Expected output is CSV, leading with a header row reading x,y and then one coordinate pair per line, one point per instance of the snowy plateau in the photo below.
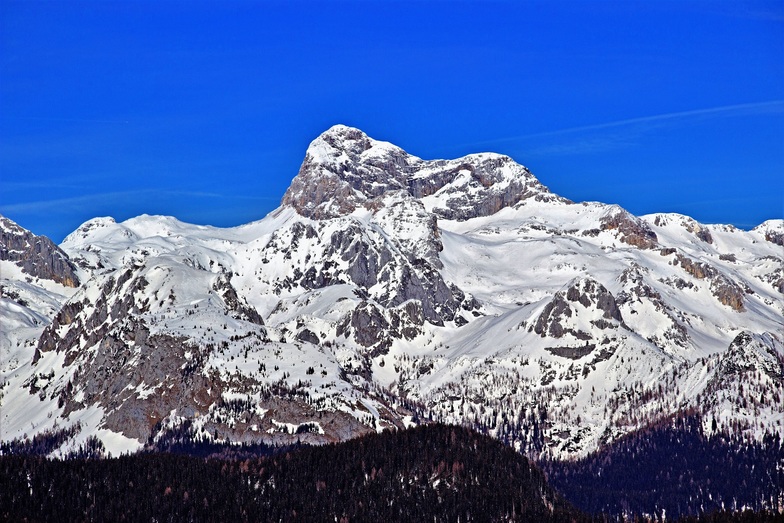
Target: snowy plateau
x,y
387,291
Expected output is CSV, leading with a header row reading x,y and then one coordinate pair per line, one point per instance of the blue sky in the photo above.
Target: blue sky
x,y
203,110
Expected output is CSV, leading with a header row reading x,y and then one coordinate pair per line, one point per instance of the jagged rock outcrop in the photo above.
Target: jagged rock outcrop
x,y
87,322
377,329
722,287
750,352
580,317
728,292
699,270
235,306
630,229
775,237
772,231
35,255
588,293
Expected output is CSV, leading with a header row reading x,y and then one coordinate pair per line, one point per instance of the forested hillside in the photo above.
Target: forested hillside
x,y
430,473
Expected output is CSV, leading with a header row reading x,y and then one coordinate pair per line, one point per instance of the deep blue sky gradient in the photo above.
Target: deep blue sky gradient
x,y
203,110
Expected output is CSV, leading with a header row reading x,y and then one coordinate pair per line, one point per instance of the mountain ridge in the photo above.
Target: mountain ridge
x,y
387,289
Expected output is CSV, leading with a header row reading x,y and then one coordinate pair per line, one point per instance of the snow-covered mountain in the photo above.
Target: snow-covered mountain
x,y
385,290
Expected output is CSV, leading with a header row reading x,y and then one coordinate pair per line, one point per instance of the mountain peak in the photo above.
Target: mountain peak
x,y
344,169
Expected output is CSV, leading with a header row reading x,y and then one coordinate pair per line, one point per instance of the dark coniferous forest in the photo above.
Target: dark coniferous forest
x,y
430,473
675,469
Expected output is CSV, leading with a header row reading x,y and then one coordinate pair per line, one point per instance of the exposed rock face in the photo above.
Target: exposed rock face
x,y
631,230
235,306
699,270
88,322
727,292
391,269
36,255
345,170
337,176
722,287
703,234
140,384
588,293
125,379
376,329
570,313
775,237
369,326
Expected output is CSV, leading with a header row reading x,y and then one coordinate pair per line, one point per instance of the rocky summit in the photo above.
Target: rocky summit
x,y
387,291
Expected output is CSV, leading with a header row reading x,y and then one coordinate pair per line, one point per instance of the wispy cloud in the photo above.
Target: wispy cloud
x,y
108,198
639,124
65,203
727,110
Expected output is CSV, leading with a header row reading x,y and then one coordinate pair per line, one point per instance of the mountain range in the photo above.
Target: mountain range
x,y
384,292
